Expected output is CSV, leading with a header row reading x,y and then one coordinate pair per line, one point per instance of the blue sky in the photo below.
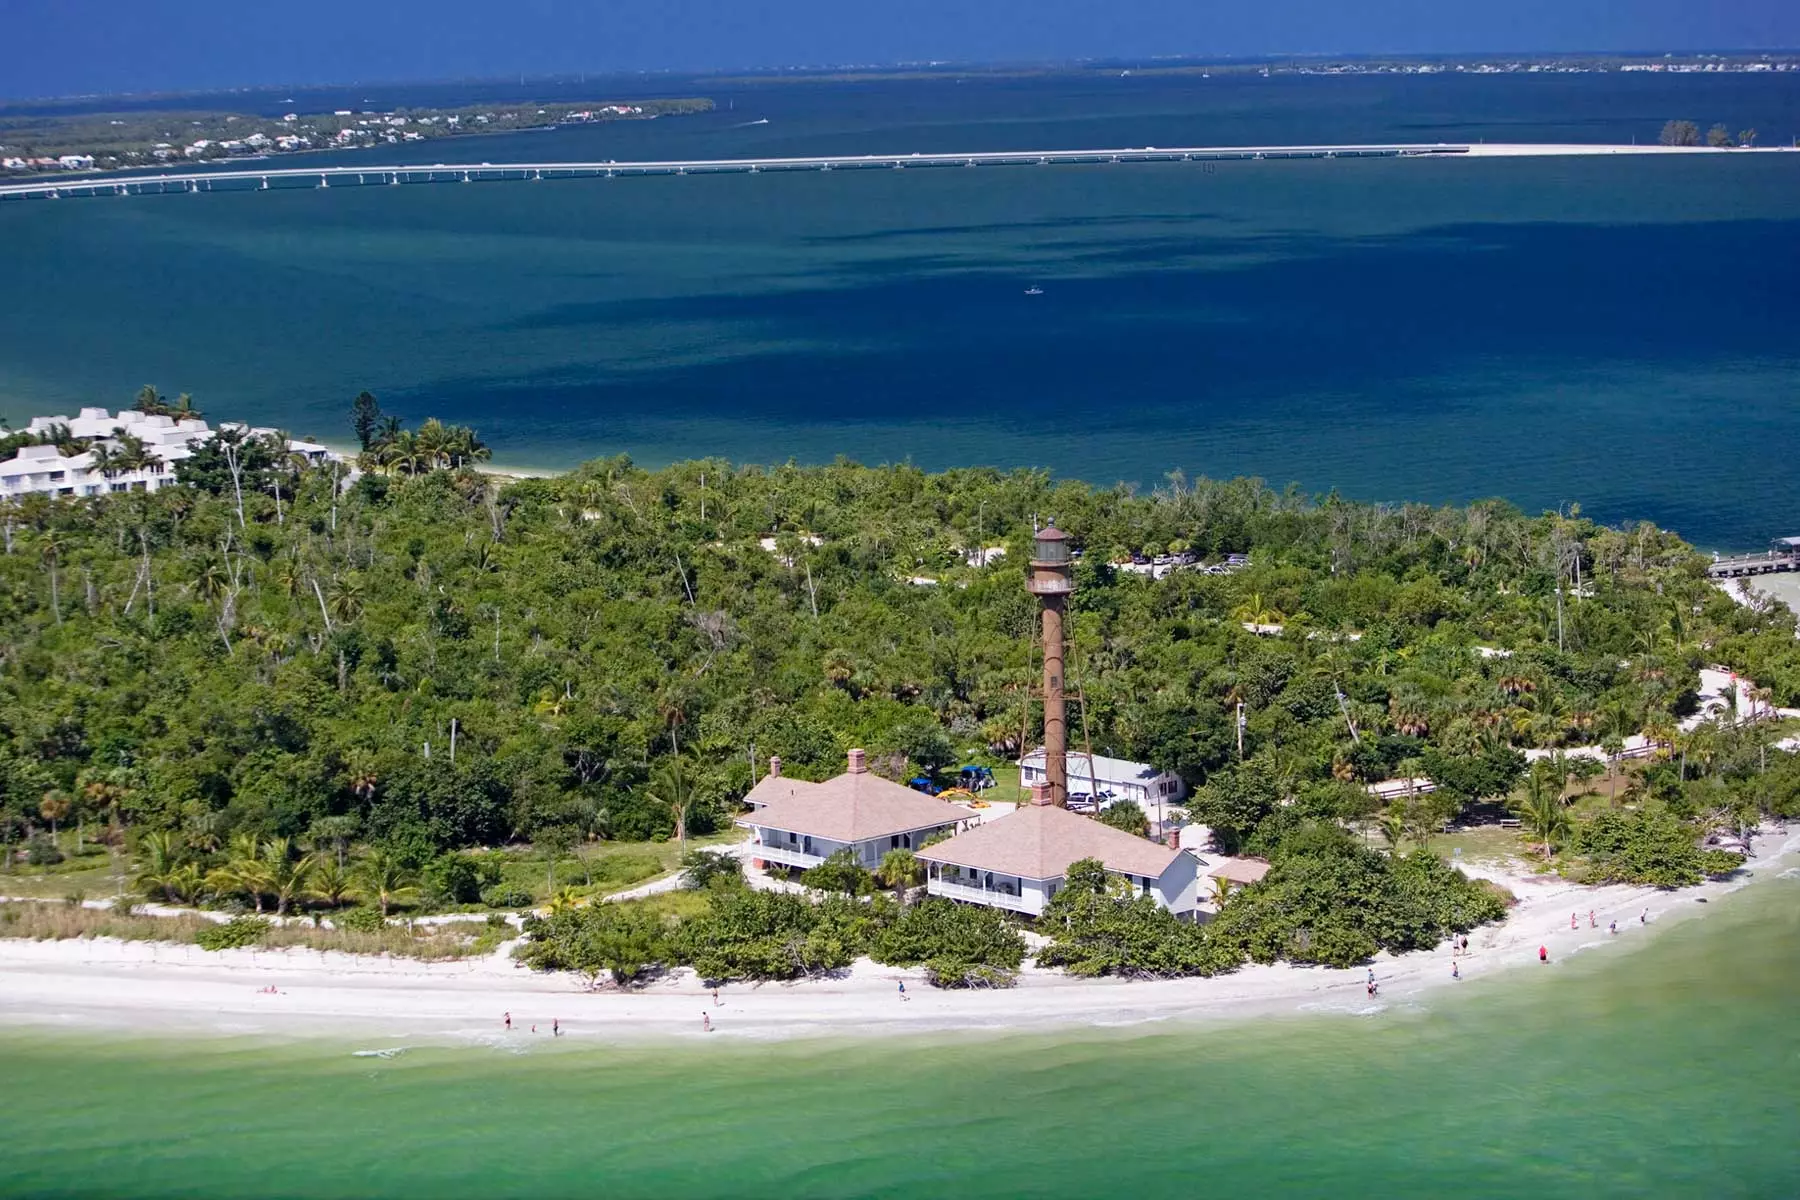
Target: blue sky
x,y
60,47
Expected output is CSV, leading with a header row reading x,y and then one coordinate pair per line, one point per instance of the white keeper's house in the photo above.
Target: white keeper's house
x,y
1019,862
1094,774
798,823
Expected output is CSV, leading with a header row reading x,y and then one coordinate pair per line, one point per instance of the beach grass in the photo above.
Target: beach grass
x,y
48,921
428,943
41,921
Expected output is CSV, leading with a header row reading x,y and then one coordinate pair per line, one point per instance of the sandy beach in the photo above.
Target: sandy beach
x,y
138,987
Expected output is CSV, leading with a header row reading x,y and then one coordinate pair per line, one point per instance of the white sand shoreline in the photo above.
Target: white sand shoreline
x,y
106,986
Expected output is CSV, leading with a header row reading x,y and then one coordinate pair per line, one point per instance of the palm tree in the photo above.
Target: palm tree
x,y
346,600
1541,809
1392,824
150,401
669,788
244,873
434,442
383,879
330,884
287,875
463,447
161,873
55,806
901,869
1256,611
1614,746
338,830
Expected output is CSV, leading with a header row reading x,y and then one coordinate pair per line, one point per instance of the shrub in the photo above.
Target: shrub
x,y
360,920
1098,929
42,852
1646,846
705,868
453,879
1299,911
233,934
775,935
1126,815
960,945
506,896
618,939
841,873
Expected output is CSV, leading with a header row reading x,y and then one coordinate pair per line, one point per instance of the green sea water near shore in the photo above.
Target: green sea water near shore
x,y
1652,1067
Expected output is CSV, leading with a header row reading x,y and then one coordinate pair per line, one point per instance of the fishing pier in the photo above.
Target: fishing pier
x,y
1782,555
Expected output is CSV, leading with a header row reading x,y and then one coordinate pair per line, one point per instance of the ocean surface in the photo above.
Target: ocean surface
x,y
1618,332
1662,1067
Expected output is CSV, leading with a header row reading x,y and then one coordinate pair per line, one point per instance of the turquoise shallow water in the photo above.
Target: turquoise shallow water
x,y
1667,1070
1612,331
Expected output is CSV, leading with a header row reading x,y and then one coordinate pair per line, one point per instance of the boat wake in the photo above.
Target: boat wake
x,y
748,124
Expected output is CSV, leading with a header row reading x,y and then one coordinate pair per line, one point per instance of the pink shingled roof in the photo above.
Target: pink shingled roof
x,y
1040,841
852,807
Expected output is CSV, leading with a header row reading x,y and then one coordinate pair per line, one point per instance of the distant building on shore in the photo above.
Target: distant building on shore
x,y
45,470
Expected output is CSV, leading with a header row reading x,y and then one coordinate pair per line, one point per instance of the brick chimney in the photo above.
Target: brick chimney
x,y
774,766
1040,794
859,763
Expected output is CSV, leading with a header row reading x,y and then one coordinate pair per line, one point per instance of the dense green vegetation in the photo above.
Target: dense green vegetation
x,y
267,690
729,932
127,139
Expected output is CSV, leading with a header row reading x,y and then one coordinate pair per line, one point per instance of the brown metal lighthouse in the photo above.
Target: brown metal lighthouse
x,y
1051,580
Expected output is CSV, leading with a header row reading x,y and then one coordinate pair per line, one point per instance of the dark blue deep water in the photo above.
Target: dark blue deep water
x,y
1615,331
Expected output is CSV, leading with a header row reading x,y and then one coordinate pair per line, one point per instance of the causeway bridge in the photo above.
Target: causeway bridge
x,y
270,178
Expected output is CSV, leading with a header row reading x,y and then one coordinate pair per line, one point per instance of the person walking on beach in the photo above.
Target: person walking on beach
x,y
1543,954
1613,929
1592,923
555,1026
1644,917
1455,969
1574,922
508,1018
1371,976
903,989
705,1022
715,997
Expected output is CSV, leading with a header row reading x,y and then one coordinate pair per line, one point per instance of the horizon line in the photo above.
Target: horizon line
x,y
921,68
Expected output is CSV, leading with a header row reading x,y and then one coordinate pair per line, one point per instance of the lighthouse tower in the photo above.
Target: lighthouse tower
x,y
1051,579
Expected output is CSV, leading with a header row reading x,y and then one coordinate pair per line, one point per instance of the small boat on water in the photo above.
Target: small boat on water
x,y
1034,291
